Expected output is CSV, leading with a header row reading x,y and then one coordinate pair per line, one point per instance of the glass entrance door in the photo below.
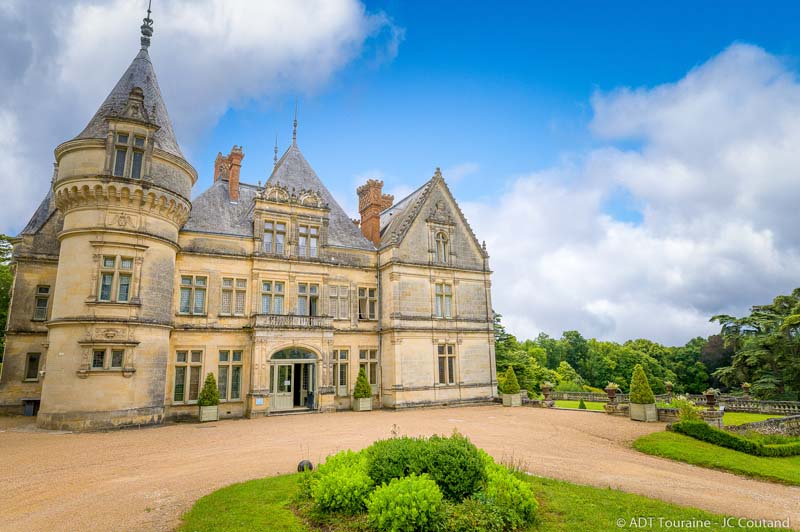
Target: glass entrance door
x,y
283,398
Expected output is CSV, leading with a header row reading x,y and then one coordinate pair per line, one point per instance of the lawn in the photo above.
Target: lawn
x,y
740,418
686,449
564,507
574,404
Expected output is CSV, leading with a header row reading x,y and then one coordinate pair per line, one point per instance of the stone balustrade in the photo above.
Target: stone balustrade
x,y
289,321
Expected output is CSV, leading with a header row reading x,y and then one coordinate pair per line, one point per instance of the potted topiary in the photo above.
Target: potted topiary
x,y
511,396
642,400
362,394
209,400
611,390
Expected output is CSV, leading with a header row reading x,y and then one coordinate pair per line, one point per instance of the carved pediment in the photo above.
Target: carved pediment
x,y
309,198
134,107
440,213
280,194
276,193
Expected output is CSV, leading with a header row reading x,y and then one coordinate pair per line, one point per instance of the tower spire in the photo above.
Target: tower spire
x,y
294,130
275,157
147,27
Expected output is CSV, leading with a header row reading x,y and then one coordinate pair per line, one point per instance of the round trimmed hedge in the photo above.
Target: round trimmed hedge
x,y
436,483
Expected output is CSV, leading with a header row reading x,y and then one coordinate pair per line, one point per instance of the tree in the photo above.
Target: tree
x,y
575,346
6,280
714,355
641,393
510,384
766,346
209,395
362,389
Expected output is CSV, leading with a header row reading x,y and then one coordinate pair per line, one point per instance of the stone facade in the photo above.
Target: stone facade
x,y
127,293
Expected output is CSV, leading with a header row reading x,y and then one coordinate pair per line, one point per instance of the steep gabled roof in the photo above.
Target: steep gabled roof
x,y
140,74
294,172
43,213
213,211
397,219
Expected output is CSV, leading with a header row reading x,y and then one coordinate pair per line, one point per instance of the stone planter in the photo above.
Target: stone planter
x,y
711,400
209,413
643,412
362,405
512,399
546,392
746,390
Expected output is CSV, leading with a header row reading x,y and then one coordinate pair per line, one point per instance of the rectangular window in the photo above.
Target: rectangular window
x,y
42,302
339,306
188,368
368,359
444,300
340,371
193,294
124,147
307,299
367,303
229,375
234,293
98,359
32,367
271,297
116,277
447,364
136,164
117,358
308,241
119,161
274,237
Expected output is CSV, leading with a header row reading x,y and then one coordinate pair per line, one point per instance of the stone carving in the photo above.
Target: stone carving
x,y
278,193
134,107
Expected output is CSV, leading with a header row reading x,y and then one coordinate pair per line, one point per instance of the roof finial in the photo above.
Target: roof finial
x,y
275,157
294,130
147,28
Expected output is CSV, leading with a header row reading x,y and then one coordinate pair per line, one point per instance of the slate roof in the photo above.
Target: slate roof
x,y
392,218
43,212
213,212
140,74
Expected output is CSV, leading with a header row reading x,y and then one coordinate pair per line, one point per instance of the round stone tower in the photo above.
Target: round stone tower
x,y
123,187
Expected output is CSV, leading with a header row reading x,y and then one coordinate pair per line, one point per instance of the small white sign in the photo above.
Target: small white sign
x,y
287,383
259,401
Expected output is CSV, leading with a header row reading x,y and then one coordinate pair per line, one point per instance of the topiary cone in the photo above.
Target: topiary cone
x,y
209,395
362,390
511,385
641,393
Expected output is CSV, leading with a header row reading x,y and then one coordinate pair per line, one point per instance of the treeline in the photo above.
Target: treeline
x,y
762,349
5,288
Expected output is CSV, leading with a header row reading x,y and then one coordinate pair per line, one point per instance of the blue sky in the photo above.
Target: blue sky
x,y
506,88
632,166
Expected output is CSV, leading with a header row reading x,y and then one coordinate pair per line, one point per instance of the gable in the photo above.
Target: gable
x,y
436,211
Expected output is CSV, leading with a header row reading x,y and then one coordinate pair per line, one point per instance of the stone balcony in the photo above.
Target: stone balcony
x,y
289,321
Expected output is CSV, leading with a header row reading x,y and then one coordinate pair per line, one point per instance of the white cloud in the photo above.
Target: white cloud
x,y
715,171
456,173
60,60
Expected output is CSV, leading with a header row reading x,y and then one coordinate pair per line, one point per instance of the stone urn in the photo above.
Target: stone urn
x,y
711,398
746,389
611,391
546,389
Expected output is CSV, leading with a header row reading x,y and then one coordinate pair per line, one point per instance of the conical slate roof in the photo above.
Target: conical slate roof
x,y
294,172
140,74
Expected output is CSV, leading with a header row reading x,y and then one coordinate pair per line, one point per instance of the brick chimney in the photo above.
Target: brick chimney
x,y
227,168
371,201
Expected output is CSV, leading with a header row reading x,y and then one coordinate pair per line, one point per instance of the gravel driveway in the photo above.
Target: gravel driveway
x,y
145,479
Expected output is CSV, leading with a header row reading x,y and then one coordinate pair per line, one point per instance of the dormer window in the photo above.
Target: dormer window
x,y
128,155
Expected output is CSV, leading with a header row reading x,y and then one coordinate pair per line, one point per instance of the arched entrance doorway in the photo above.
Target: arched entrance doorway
x,y
292,377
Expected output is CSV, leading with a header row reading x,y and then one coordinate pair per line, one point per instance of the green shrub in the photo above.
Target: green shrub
x,y
510,384
587,388
406,505
705,432
641,393
362,390
472,515
340,460
395,458
510,497
582,405
569,386
455,465
209,395
687,410
343,490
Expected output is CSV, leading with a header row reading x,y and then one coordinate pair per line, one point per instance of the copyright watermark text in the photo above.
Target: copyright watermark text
x,y
649,522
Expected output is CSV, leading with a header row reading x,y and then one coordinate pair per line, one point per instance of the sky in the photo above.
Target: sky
x,y
632,166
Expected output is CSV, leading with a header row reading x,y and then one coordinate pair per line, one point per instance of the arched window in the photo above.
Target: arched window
x,y
441,247
294,353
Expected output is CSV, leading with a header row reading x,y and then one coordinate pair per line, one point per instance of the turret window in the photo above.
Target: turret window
x,y
128,156
115,279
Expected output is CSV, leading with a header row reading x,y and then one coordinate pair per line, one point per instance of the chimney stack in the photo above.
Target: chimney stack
x,y
227,168
371,201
